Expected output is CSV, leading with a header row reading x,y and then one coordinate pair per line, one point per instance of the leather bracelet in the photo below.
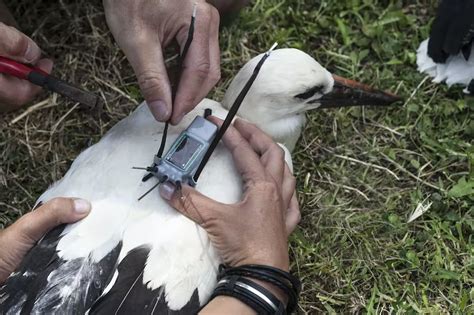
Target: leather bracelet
x,y
292,297
257,274
294,281
281,279
250,293
282,276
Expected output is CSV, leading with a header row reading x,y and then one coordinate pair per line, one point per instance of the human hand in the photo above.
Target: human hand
x,y
21,236
255,230
143,29
15,45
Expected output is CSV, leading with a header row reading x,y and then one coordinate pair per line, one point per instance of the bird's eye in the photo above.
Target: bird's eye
x,y
310,92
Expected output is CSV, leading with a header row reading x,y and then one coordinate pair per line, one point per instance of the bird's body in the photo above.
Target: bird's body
x,y
143,257
447,55
174,253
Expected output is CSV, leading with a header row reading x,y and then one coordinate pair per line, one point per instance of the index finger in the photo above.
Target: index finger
x,y
271,154
246,160
196,66
260,141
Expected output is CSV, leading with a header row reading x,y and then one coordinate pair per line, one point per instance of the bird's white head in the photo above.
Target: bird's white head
x,y
290,83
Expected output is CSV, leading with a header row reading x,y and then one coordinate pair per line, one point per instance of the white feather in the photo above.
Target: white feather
x,y
456,70
420,209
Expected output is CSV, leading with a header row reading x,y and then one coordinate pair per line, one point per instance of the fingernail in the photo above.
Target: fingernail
x,y
30,54
159,110
82,206
167,191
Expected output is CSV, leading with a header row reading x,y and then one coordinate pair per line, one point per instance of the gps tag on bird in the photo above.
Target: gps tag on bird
x,y
189,154
179,164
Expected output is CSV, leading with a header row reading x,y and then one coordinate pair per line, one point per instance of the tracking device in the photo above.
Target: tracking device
x,y
189,154
183,158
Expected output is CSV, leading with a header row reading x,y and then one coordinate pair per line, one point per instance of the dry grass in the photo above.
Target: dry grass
x,y
39,147
361,171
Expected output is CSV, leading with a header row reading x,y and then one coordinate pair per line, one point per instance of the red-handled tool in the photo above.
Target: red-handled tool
x,y
43,79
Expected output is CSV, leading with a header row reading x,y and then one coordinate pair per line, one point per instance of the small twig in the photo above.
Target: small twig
x,y
387,128
401,168
23,188
367,164
412,95
345,187
116,89
168,60
307,146
3,179
10,206
65,8
27,139
63,117
29,110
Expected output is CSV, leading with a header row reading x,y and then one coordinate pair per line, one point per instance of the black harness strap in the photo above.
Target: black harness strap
x,y
175,88
232,112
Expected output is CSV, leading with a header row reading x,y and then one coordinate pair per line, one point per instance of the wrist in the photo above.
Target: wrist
x,y
281,261
226,305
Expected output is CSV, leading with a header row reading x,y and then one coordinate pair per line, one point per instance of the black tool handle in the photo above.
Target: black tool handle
x,y
56,85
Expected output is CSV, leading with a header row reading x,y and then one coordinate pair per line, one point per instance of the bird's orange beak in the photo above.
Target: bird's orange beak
x,y
347,92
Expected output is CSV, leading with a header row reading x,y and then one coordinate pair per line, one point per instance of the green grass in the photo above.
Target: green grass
x,y
361,171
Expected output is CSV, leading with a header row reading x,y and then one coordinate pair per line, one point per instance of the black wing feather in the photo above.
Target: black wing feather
x,y
460,31
22,284
129,295
452,30
25,289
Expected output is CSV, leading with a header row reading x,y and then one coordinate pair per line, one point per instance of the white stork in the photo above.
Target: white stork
x,y
131,257
447,55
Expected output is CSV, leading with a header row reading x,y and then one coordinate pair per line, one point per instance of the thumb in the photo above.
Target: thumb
x,y
191,203
149,66
18,46
51,214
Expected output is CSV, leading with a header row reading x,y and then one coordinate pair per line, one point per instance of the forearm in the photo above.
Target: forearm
x,y
5,15
226,305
